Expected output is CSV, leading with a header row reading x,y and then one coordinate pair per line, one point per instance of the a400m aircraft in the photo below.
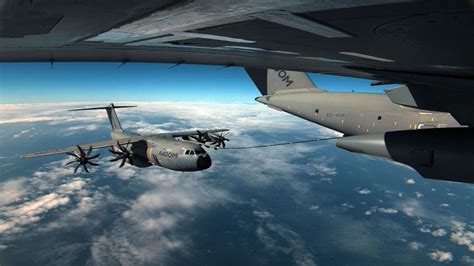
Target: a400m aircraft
x,y
431,142
179,151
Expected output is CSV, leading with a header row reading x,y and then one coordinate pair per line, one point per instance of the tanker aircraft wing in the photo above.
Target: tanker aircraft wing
x,y
426,45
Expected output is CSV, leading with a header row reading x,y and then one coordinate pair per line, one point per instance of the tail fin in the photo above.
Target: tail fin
x,y
269,81
113,118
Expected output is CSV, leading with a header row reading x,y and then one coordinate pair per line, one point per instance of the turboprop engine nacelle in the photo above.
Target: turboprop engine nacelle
x,y
442,153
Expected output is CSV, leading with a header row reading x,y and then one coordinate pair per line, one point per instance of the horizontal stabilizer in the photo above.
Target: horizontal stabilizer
x,y
113,118
102,108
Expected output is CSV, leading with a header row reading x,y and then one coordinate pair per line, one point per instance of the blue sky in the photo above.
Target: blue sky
x,y
38,82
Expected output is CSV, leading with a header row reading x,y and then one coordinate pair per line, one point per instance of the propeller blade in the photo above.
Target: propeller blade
x,y
85,168
115,152
81,151
120,146
72,154
123,154
94,156
123,162
94,164
89,151
77,166
198,139
116,159
71,162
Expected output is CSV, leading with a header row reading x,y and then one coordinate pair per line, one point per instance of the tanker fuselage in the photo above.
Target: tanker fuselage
x,y
356,113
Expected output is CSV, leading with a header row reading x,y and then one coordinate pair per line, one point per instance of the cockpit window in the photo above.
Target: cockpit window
x,y
191,152
198,152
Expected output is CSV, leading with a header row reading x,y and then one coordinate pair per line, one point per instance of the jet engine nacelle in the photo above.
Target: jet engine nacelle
x,y
441,153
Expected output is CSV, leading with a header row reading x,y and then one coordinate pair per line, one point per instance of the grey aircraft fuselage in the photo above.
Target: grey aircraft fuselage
x,y
166,151
355,113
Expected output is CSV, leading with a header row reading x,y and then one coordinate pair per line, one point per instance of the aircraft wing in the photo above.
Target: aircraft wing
x,y
191,133
426,45
95,145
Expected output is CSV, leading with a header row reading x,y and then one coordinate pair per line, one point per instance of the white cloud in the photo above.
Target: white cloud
x,y
125,173
412,207
364,191
439,232
48,189
461,235
21,133
387,210
347,205
11,190
418,195
324,169
467,260
415,245
31,211
262,214
425,230
72,186
81,128
441,256
149,230
292,242
410,181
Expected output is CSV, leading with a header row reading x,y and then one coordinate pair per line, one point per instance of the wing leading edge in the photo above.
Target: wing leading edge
x,y
190,133
94,145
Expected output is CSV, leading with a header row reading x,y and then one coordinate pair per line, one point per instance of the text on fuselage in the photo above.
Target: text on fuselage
x,y
283,75
329,115
168,154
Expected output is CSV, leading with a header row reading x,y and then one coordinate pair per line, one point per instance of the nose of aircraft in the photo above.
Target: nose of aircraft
x,y
204,162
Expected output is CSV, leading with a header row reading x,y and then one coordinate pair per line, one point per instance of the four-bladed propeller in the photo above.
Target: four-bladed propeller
x,y
122,154
83,158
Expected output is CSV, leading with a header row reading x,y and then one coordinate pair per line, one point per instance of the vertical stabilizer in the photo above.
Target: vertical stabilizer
x,y
113,118
269,81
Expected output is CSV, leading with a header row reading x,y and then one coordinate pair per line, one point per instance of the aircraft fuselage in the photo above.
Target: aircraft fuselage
x,y
166,152
356,113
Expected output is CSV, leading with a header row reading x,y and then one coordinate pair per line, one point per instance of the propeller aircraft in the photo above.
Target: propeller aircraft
x,y
179,151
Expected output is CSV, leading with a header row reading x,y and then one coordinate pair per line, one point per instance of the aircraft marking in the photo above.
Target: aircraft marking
x,y
168,154
283,75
